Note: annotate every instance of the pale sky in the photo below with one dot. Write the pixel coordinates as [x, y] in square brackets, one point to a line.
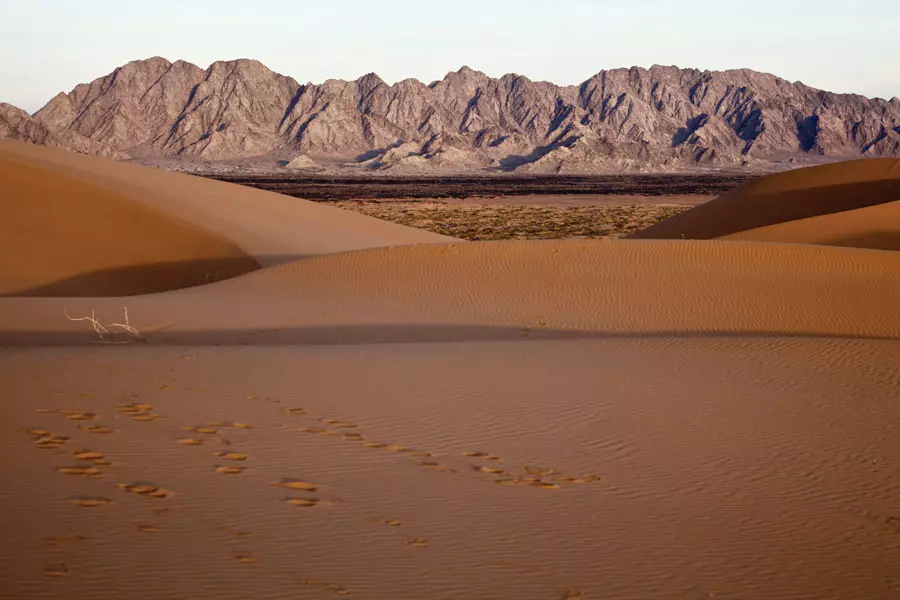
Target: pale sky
[48, 46]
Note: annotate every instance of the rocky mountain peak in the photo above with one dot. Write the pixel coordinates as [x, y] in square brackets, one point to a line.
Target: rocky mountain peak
[663, 117]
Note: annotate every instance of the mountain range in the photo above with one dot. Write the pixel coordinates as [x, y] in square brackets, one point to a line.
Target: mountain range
[661, 118]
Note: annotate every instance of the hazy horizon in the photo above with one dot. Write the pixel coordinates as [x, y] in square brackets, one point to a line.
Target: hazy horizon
[72, 44]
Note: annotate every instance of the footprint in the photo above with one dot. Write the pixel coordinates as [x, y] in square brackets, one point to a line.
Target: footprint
[37, 432]
[231, 455]
[203, 430]
[146, 417]
[135, 407]
[304, 502]
[330, 432]
[587, 479]
[572, 595]
[245, 557]
[78, 471]
[144, 489]
[51, 442]
[80, 416]
[310, 430]
[303, 486]
[88, 455]
[397, 448]
[417, 542]
[483, 456]
[340, 424]
[420, 454]
[296, 411]
[489, 470]
[230, 470]
[355, 437]
[240, 426]
[92, 502]
[147, 528]
[437, 467]
[540, 471]
[57, 569]
[98, 429]
[189, 442]
[375, 445]
[64, 539]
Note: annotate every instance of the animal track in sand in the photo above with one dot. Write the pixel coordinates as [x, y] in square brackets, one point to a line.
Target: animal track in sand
[245, 557]
[354, 437]
[339, 424]
[37, 432]
[291, 484]
[146, 417]
[92, 502]
[541, 471]
[203, 430]
[231, 455]
[488, 470]
[572, 595]
[88, 455]
[50, 442]
[88, 471]
[97, 429]
[304, 502]
[82, 416]
[375, 445]
[147, 528]
[145, 489]
[296, 411]
[57, 569]
[437, 467]
[417, 542]
[310, 430]
[133, 408]
[230, 470]
[482, 456]
[189, 442]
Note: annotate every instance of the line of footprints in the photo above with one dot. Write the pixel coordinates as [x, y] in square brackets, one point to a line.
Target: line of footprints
[91, 463]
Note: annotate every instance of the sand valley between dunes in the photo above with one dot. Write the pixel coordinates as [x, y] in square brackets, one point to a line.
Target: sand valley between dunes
[356, 408]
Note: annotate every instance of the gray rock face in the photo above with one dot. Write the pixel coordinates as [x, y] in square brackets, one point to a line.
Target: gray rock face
[658, 118]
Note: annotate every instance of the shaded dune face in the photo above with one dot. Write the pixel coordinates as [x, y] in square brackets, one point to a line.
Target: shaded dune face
[874, 227]
[785, 197]
[63, 237]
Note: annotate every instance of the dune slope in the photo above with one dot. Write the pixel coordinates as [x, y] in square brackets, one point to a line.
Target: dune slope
[65, 237]
[876, 227]
[270, 227]
[787, 196]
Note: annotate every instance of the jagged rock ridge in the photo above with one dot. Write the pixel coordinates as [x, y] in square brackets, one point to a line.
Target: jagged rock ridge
[662, 117]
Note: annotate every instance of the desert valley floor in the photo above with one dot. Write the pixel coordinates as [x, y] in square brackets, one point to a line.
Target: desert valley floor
[313, 403]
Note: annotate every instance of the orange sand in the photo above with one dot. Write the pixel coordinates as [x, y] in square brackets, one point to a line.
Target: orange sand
[530, 420]
[787, 196]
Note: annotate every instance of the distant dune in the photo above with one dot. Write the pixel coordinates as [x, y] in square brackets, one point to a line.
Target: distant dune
[379, 412]
[784, 197]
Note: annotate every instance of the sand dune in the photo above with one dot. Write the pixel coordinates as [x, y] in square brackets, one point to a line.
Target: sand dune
[584, 419]
[787, 196]
[64, 237]
[271, 228]
[876, 227]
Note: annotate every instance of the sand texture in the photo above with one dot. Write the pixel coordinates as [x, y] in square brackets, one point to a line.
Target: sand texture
[641, 419]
